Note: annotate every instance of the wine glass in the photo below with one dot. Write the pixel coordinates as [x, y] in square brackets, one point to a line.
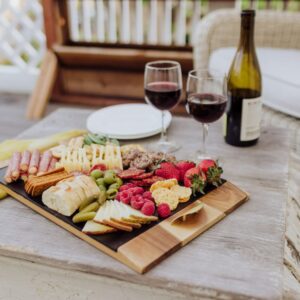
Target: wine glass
[163, 85]
[206, 100]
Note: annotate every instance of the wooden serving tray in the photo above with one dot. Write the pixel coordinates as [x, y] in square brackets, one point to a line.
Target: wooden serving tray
[143, 248]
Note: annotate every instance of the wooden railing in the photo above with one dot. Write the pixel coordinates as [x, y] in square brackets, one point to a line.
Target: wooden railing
[119, 23]
[154, 22]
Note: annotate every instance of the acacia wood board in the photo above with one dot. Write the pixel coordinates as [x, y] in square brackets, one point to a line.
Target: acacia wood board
[157, 240]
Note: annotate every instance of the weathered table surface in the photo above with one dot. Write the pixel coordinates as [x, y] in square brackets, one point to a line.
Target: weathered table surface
[241, 257]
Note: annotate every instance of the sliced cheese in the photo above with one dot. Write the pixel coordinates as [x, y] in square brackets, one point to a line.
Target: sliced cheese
[94, 228]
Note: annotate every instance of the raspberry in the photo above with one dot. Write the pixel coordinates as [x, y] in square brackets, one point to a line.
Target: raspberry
[137, 190]
[126, 186]
[140, 198]
[148, 208]
[127, 193]
[137, 202]
[125, 197]
[118, 196]
[148, 195]
[163, 210]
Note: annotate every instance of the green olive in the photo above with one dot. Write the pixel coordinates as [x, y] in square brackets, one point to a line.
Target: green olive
[114, 186]
[102, 187]
[85, 203]
[111, 193]
[91, 207]
[110, 172]
[97, 174]
[102, 197]
[109, 178]
[119, 181]
[100, 181]
[82, 217]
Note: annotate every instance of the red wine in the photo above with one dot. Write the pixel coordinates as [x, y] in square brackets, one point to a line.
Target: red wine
[242, 121]
[206, 108]
[163, 95]
[234, 118]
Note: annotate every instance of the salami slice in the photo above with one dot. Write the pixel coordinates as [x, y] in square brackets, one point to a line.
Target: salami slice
[152, 179]
[130, 173]
[143, 176]
[140, 183]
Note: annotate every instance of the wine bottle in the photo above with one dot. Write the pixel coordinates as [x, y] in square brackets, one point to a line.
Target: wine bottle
[243, 115]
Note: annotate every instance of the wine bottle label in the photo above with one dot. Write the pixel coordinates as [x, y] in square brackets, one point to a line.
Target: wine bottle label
[250, 120]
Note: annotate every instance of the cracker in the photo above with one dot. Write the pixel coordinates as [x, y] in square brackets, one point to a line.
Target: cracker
[168, 183]
[164, 195]
[183, 193]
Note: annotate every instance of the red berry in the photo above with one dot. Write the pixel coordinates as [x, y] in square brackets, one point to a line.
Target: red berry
[126, 186]
[205, 164]
[137, 202]
[195, 179]
[118, 196]
[168, 170]
[163, 210]
[183, 166]
[125, 198]
[212, 171]
[148, 195]
[148, 208]
[137, 190]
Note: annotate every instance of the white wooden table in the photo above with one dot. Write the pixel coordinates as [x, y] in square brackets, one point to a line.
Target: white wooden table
[239, 258]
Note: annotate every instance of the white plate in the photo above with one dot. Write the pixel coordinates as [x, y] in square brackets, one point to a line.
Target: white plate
[127, 121]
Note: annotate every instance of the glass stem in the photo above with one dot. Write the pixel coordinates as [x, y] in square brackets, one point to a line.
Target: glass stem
[163, 136]
[205, 132]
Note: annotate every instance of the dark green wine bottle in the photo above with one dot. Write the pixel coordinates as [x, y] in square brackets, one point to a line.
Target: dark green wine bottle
[243, 116]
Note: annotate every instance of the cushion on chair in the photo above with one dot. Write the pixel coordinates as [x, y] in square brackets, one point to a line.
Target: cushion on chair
[281, 76]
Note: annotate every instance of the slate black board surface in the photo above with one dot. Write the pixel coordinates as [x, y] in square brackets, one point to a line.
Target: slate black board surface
[111, 240]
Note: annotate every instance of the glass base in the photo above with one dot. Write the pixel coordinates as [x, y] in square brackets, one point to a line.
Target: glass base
[165, 147]
[199, 156]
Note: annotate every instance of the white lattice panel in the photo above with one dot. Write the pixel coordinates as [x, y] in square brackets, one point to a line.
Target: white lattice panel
[22, 43]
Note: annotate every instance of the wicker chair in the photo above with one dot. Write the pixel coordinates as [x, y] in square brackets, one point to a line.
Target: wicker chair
[221, 28]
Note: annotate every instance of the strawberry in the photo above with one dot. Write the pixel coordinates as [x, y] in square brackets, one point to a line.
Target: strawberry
[168, 170]
[183, 166]
[195, 179]
[212, 171]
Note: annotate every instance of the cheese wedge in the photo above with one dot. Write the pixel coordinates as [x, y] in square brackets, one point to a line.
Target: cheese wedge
[94, 228]
[121, 216]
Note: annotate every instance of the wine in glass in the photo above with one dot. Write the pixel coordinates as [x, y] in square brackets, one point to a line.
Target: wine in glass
[206, 100]
[163, 85]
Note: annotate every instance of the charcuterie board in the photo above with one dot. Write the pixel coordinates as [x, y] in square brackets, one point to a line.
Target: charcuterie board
[139, 232]
[143, 249]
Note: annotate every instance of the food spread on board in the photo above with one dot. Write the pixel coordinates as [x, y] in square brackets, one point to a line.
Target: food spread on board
[108, 187]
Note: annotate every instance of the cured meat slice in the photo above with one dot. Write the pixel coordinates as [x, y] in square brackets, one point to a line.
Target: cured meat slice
[152, 179]
[7, 176]
[34, 162]
[130, 173]
[140, 183]
[52, 164]
[15, 169]
[25, 161]
[45, 161]
[143, 176]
